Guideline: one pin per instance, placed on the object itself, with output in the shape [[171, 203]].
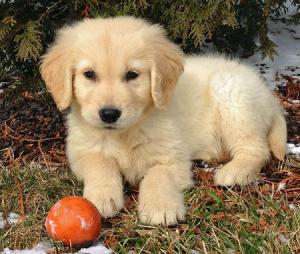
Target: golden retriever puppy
[[135, 113]]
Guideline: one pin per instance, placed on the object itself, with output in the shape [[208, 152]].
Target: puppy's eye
[[131, 75], [90, 74]]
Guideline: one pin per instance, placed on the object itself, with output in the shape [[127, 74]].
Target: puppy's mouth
[[110, 127]]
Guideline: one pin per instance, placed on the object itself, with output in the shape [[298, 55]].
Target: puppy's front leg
[[160, 199], [102, 182]]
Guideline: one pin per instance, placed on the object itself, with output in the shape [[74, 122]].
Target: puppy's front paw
[[109, 201], [161, 208], [227, 176]]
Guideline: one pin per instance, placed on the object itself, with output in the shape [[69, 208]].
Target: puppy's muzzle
[[109, 115]]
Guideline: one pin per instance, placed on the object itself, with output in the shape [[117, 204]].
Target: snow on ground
[[44, 248], [40, 248], [287, 38], [94, 250], [293, 149], [2, 221], [12, 218], [287, 61]]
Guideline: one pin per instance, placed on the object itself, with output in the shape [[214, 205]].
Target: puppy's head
[[114, 69]]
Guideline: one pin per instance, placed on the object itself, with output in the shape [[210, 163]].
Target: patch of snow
[[40, 248], [98, 249], [292, 206], [2, 221], [293, 149], [13, 218], [295, 101], [8, 251], [281, 186], [286, 37], [282, 238], [194, 252], [44, 248]]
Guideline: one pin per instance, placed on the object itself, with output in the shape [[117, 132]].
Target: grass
[[38, 189], [254, 219]]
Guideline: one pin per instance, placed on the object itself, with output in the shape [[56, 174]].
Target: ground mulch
[[33, 131]]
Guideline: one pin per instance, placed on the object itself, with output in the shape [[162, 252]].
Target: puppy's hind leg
[[245, 112], [249, 151], [243, 168]]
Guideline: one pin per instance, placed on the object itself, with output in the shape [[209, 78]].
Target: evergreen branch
[[6, 26], [29, 43]]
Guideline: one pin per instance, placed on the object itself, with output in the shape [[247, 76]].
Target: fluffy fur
[[218, 109]]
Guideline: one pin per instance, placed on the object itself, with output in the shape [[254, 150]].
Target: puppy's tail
[[278, 136]]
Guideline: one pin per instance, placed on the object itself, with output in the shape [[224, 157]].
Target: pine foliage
[[29, 43], [7, 23], [27, 27]]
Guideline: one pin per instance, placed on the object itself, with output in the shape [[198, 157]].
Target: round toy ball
[[74, 221]]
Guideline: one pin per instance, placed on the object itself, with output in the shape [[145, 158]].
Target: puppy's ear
[[57, 73], [166, 69]]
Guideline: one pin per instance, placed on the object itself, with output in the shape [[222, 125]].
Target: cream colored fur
[[219, 110]]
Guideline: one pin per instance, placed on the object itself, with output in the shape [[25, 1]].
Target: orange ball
[[74, 221]]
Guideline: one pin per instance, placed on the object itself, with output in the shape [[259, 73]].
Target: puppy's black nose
[[109, 115]]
